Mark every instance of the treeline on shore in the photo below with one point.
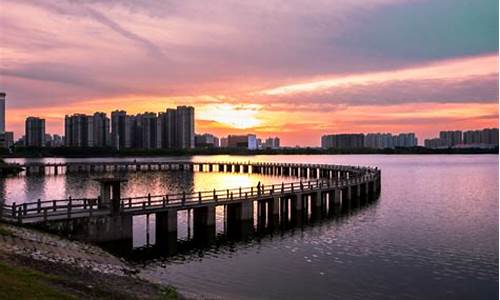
(101, 152)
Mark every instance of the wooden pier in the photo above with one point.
(108, 217)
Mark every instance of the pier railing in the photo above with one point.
(45, 210)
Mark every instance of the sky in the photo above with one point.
(289, 68)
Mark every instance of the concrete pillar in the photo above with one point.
(357, 188)
(273, 211)
(204, 224)
(316, 205)
(239, 219)
(346, 194)
(166, 231)
(284, 210)
(261, 215)
(297, 202)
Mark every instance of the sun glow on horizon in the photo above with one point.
(236, 116)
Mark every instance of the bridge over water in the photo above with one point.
(108, 217)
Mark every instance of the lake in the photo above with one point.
(432, 234)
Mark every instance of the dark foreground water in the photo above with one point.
(432, 234)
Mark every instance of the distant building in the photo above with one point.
(405, 140)
(120, 130)
(343, 141)
(206, 140)
(451, 138)
(379, 141)
(489, 136)
(434, 143)
(272, 143)
(184, 131)
(102, 135)
(144, 131)
(54, 140)
(248, 141)
(34, 132)
(167, 128)
(2, 112)
(6, 139)
(79, 130)
(485, 138)
(224, 142)
(172, 129)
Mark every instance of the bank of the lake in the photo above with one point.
(37, 265)
(33, 152)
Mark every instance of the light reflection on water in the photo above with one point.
(432, 234)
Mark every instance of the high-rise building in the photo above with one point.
(472, 137)
(272, 143)
(451, 138)
(224, 142)
(2, 112)
(184, 127)
(167, 129)
(79, 130)
(146, 130)
(485, 138)
(102, 136)
(7, 139)
(489, 136)
(34, 132)
(343, 141)
(121, 126)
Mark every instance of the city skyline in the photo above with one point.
(268, 69)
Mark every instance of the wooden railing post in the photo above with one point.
(69, 207)
(38, 205)
(14, 209)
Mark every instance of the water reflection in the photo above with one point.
(435, 225)
(235, 234)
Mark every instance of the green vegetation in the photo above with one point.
(106, 152)
(169, 293)
(23, 283)
(4, 231)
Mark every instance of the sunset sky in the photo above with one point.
(296, 69)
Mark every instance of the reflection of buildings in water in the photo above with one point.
(34, 188)
(3, 194)
(79, 186)
(158, 183)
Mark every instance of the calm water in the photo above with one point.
(432, 234)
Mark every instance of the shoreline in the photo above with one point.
(106, 152)
(63, 268)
